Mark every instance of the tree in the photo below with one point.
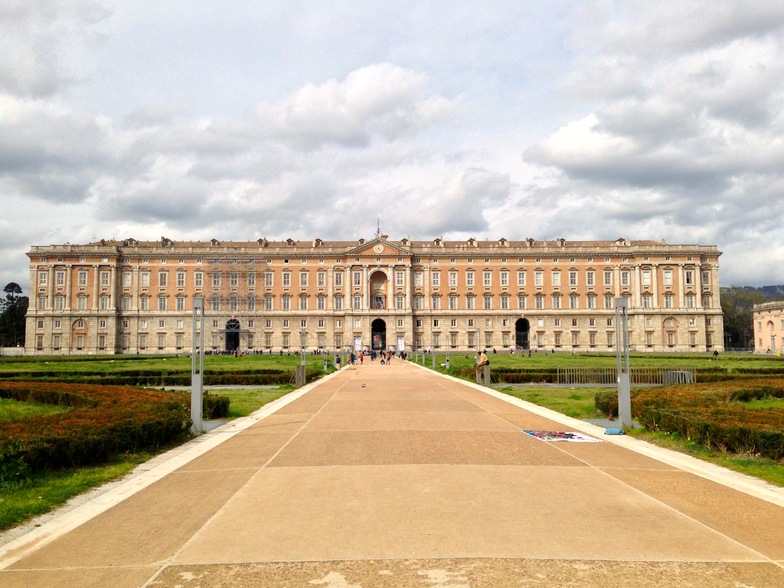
(12, 318)
(737, 304)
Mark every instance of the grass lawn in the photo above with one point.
(11, 410)
(573, 402)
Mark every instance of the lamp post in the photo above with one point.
(622, 361)
(197, 366)
(302, 339)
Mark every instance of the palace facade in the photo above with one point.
(768, 319)
(135, 297)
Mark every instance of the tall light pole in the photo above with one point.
(302, 339)
(622, 361)
(197, 365)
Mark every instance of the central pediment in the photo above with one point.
(378, 247)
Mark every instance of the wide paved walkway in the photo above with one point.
(396, 476)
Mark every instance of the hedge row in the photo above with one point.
(165, 378)
(712, 415)
(103, 421)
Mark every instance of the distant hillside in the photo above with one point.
(770, 292)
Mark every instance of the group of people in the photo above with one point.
(359, 357)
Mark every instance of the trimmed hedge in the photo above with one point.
(260, 377)
(103, 421)
(711, 414)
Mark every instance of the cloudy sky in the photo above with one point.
(581, 119)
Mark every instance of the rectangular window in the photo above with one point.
(144, 303)
(357, 278)
(286, 279)
(252, 279)
(590, 278)
(320, 303)
(436, 303)
(574, 301)
(286, 303)
(667, 277)
(556, 301)
(470, 302)
(436, 279)
(216, 279)
(357, 302)
(608, 301)
(163, 279)
(539, 302)
(607, 278)
(539, 278)
(162, 303)
(303, 279)
(81, 278)
(505, 303)
(452, 279)
(399, 278)
(689, 278)
(321, 279)
(591, 301)
(487, 278)
(521, 278)
(268, 303)
(303, 303)
(470, 279)
(453, 303)
(624, 278)
(339, 303)
(488, 302)
(269, 279)
(573, 278)
(180, 279)
(81, 303)
(234, 279)
(646, 277)
(504, 278)
(42, 278)
(180, 303)
(706, 277)
(198, 280)
(521, 302)
(105, 278)
(338, 278)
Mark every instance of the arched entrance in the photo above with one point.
(378, 335)
(522, 330)
(232, 335)
(378, 290)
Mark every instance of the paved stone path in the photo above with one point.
(396, 476)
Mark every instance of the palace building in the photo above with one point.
(768, 319)
(136, 297)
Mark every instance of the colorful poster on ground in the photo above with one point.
(562, 436)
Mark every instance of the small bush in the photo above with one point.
(216, 407)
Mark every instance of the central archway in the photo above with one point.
(522, 333)
(378, 335)
(232, 335)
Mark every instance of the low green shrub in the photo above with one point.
(103, 421)
(713, 414)
(215, 407)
